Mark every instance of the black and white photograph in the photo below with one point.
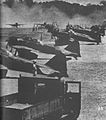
(53, 60)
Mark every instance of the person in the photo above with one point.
(34, 68)
(35, 27)
(68, 27)
(97, 33)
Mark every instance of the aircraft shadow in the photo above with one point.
(90, 44)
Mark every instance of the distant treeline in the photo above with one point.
(10, 3)
(67, 8)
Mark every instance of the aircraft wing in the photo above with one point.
(48, 52)
(23, 47)
(10, 24)
(31, 51)
(41, 60)
(17, 65)
(20, 24)
(64, 51)
(85, 35)
(16, 73)
(39, 24)
(46, 67)
(14, 24)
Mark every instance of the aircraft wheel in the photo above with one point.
(97, 43)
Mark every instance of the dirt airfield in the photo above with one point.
(90, 69)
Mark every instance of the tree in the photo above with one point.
(103, 3)
(9, 3)
(29, 3)
(21, 1)
(89, 4)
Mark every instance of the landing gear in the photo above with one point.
(97, 43)
(98, 39)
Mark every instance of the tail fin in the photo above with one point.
(58, 62)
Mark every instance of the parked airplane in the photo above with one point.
(65, 38)
(37, 26)
(92, 35)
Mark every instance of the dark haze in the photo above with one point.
(20, 12)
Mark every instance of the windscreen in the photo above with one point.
(73, 87)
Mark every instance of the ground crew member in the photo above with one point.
(34, 68)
